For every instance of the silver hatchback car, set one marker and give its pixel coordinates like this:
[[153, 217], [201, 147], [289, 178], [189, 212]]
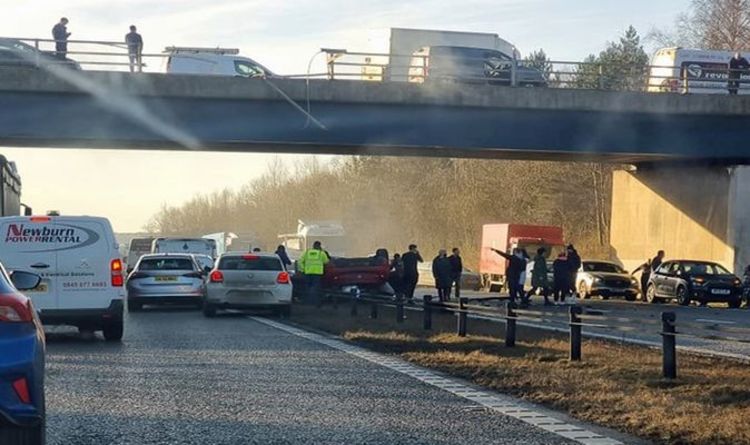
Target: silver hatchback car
[[249, 281], [166, 279]]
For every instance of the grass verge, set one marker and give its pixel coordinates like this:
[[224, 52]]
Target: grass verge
[[616, 385]]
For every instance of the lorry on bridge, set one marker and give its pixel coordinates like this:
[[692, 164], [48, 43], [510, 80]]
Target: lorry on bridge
[[506, 237]]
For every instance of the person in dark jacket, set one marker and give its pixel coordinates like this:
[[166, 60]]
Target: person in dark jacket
[[441, 271], [658, 259], [738, 66], [561, 271], [411, 273], [539, 280], [457, 268], [396, 275], [60, 34], [574, 264], [134, 41], [281, 253], [513, 272], [645, 270]]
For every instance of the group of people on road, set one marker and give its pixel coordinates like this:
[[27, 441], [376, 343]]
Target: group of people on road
[[133, 41], [564, 271], [446, 271]]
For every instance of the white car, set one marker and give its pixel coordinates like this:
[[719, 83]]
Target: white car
[[78, 259], [213, 62], [248, 281]]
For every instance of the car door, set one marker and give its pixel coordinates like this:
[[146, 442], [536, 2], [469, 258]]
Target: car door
[[659, 276], [497, 66], [672, 279]]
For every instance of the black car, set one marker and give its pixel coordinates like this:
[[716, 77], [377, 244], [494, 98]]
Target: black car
[[14, 52], [700, 281]]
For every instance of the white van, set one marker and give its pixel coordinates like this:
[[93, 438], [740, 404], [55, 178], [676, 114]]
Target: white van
[[694, 71], [213, 62], [198, 246], [80, 265]]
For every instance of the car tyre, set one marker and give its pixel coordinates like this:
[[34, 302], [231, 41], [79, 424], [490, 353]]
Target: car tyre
[[735, 303], [651, 295], [17, 435], [683, 299], [583, 291], [209, 310], [113, 331]]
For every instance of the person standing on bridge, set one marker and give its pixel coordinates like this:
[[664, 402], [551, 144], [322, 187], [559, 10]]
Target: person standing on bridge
[[658, 259], [411, 272], [135, 49], [312, 264], [457, 269], [60, 34], [738, 66]]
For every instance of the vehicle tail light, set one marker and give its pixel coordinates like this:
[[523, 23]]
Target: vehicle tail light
[[250, 257], [15, 310], [217, 277], [283, 278], [193, 275], [21, 387], [116, 268]]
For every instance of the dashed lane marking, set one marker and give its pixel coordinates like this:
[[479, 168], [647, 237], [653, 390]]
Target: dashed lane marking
[[493, 401]]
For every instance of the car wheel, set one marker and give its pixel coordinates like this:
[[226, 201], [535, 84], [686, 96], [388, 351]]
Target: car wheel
[[735, 303], [583, 291], [113, 331], [209, 310], [683, 299], [651, 294], [134, 307], [17, 435]]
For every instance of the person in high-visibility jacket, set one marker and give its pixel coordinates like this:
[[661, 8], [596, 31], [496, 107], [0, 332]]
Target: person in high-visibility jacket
[[312, 265]]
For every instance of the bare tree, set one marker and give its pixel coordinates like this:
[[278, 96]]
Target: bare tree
[[710, 24]]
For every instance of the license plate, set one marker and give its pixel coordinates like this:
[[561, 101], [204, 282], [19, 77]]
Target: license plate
[[721, 291], [165, 278], [43, 287]]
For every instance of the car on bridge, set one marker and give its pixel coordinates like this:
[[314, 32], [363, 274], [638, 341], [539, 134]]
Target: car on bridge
[[471, 65], [14, 52], [688, 280], [242, 281], [166, 278], [605, 279], [22, 342]]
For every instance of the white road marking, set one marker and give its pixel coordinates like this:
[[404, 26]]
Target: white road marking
[[497, 402], [709, 320]]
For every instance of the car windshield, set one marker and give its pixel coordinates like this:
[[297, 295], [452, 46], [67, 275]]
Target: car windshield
[[594, 266], [155, 264], [703, 269], [251, 262]]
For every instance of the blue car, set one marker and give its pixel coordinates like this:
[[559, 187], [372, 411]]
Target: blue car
[[22, 348]]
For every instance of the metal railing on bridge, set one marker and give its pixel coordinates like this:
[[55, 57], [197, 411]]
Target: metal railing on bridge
[[341, 64]]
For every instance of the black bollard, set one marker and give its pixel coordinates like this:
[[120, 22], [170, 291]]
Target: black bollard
[[427, 312], [575, 333], [461, 329], [510, 324], [669, 345]]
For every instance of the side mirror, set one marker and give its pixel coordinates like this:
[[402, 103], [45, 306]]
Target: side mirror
[[25, 280]]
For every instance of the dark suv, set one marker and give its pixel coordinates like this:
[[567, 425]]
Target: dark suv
[[701, 281], [470, 65]]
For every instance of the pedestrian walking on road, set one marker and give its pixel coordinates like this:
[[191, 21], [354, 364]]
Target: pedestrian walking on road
[[281, 253], [411, 273], [658, 259], [312, 264], [645, 270], [539, 279], [457, 269], [135, 49], [513, 272], [574, 264], [60, 34], [561, 273], [441, 271], [396, 276]]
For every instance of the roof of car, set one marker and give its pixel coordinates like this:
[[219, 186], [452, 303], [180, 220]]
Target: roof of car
[[167, 255]]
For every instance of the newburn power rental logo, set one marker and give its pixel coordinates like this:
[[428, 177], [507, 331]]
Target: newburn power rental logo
[[49, 238]]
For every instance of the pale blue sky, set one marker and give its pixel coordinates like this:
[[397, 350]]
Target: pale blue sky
[[282, 34]]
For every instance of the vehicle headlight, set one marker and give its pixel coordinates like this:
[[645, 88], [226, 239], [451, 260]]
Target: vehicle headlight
[[737, 282], [597, 280], [633, 281]]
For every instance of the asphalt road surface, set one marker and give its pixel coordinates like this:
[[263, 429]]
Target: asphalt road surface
[[641, 322], [179, 378]]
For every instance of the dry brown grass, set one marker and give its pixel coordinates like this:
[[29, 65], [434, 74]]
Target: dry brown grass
[[616, 385]]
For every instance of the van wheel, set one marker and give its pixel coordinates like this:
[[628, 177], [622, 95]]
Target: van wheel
[[22, 435], [209, 311], [113, 331]]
